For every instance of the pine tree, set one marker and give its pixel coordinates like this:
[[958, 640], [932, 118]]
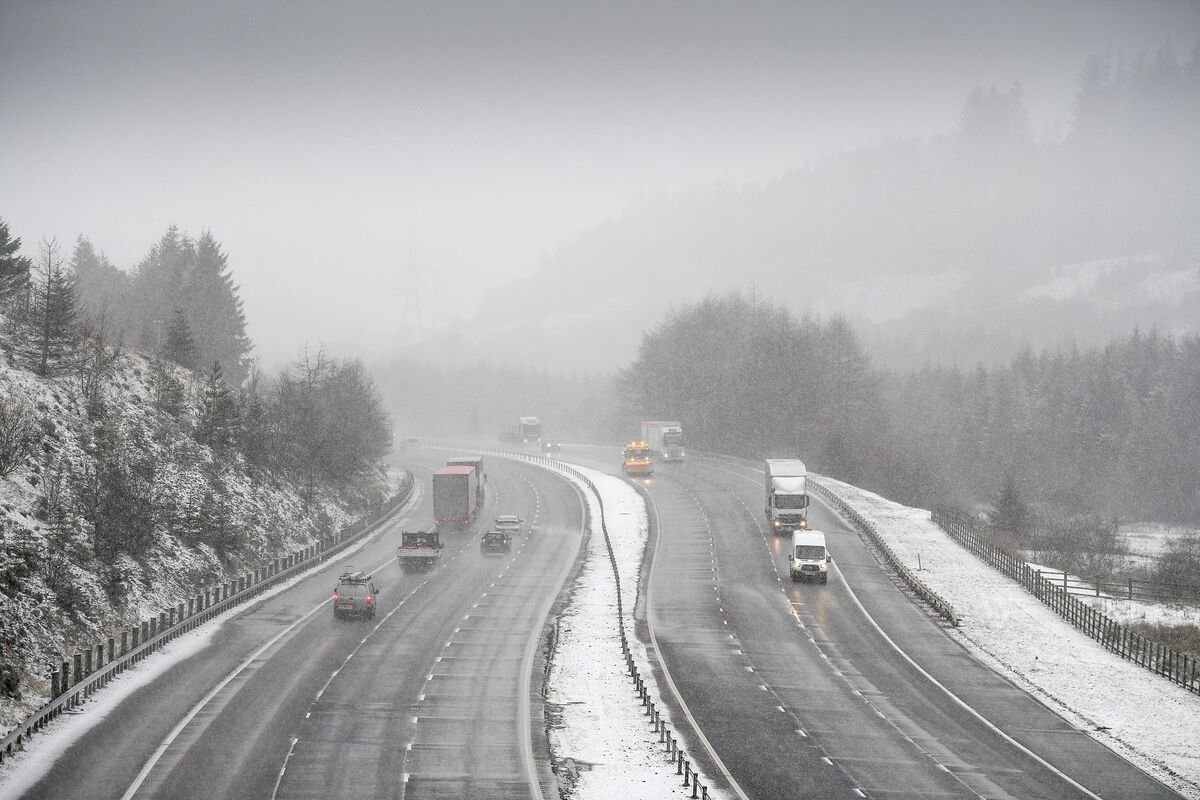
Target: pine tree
[[157, 287], [14, 268], [180, 346], [50, 322], [104, 290], [169, 392], [215, 313], [217, 426], [1012, 514]]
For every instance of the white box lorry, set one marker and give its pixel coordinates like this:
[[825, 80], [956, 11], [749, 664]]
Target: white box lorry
[[787, 494]]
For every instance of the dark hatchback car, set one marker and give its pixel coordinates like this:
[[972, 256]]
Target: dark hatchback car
[[355, 596], [495, 543]]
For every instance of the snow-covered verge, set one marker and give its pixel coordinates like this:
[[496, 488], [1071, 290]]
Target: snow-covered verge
[[1148, 720], [602, 742], [57, 594]]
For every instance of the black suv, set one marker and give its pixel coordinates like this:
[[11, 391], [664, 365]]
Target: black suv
[[355, 596]]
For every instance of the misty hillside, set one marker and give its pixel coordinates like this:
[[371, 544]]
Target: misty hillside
[[128, 481], [1008, 240]]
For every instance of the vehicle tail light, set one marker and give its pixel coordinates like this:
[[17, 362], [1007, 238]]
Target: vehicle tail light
[[368, 598], [336, 597]]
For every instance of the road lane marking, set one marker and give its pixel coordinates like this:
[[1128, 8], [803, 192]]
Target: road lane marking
[[196, 709]]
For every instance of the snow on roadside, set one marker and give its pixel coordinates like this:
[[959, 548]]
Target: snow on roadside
[[22, 770], [1148, 720], [603, 743]]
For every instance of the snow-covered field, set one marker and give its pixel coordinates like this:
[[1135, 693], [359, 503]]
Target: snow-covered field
[[1148, 720]]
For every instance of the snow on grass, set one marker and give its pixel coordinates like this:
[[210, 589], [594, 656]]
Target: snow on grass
[[1148, 720], [603, 743]]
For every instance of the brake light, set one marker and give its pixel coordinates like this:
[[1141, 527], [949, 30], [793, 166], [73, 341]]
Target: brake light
[[336, 597], [368, 598]]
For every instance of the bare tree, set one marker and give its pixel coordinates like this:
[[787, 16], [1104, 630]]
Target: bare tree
[[19, 432]]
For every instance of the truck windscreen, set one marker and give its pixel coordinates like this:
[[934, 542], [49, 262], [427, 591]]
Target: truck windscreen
[[791, 501]]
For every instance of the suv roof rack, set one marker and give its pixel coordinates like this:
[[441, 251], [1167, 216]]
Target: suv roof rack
[[354, 576]]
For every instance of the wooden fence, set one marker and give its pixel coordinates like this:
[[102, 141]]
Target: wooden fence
[[1177, 667]]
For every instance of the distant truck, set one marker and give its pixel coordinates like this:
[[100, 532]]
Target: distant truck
[[636, 459], [665, 439], [457, 495], [809, 558], [529, 429], [787, 494], [419, 550]]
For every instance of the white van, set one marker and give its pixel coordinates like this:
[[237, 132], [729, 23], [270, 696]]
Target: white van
[[810, 559]]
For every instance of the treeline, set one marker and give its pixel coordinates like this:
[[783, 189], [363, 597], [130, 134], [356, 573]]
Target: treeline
[[319, 425], [1107, 433], [1112, 432], [746, 378], [179, 301]]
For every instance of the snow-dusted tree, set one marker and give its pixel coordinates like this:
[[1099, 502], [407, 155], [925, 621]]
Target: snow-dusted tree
[[19, 432], [114, 490], [14, 268], [215, 313], [97, 361], [169, 394], [50, 323], [157, 287], [180, 347], [255, 424], [104, 290], [1012, 513], [218, 420]]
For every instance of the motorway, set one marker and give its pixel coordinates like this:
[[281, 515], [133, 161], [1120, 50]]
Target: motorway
[[849, 689], [436, 697]]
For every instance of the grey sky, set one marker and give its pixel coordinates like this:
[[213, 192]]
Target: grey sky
[[332, 146]]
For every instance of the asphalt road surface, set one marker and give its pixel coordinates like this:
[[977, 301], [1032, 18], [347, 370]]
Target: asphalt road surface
[[430, 699], [839, 690]]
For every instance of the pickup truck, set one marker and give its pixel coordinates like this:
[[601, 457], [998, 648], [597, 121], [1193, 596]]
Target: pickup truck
[[418, 550], [495, 542]]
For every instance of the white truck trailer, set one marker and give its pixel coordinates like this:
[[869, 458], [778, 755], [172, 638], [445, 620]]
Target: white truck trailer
[[787, 494]]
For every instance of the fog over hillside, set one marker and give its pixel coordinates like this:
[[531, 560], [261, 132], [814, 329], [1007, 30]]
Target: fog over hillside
[[394, 174], [1010, 240]]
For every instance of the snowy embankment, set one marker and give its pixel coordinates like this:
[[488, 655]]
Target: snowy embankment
[[602, 741], [1148, 720]]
